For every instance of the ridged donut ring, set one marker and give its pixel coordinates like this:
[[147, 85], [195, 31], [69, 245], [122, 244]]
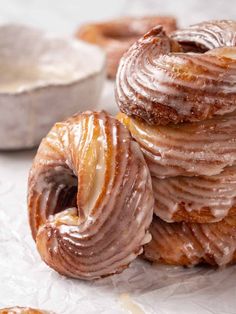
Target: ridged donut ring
[[90, 198], [205, 36], [190, 244], [202, 199], [203, 148], [160, 84], [116, 36]]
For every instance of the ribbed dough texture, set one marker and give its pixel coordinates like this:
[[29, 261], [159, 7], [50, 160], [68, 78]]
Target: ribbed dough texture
[[190, 244], [198, 199], [193, 167], [90, 198], [160, 84], [207, 35], [187, 149]]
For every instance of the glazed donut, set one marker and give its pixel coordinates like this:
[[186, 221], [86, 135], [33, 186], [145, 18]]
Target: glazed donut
[[188, 149], [90, 198], [160, 84], [22, 310], [205, 36], [190, 244], [116, 36], [202, 199]]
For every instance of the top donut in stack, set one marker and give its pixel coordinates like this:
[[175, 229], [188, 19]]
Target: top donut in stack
[[177, 96]]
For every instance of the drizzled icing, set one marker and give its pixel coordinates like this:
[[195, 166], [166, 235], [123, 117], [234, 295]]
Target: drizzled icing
[[90, 198], [160, 84], [192, 243], [187, 149], [209, 198]]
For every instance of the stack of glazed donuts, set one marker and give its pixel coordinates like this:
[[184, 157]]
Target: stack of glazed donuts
[[94, 186], [177, 95]]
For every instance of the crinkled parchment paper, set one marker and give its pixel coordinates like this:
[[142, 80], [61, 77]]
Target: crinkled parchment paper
[[26, 281]]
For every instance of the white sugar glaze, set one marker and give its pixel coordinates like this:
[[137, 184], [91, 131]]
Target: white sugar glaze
[[188, 149], [216, 193], [159, 83]]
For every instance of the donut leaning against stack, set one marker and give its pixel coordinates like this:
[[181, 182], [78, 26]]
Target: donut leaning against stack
[[177, 95], [90, 197]]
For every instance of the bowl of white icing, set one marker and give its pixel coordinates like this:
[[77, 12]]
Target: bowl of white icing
[[43, 79]]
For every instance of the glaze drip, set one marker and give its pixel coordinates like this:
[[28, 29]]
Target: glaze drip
[[187, 149], [199, 199]]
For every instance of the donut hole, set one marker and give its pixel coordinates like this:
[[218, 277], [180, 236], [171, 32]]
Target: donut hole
[[189, 46], [62, 184], [66, 199]]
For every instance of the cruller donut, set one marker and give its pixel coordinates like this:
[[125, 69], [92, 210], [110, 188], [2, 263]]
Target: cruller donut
[[116, 36], [187, 149], [189, 244], [90, 198], [160, 84], [201, 199]]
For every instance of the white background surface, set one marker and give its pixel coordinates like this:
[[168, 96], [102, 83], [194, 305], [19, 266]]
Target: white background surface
[[63, 16], [24, 279]]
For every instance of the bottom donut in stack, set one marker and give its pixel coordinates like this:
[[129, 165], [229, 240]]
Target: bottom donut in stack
[[187, 244], [177, 95]]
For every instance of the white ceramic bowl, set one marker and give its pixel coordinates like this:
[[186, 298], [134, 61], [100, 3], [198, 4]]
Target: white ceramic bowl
[[43, 79]]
